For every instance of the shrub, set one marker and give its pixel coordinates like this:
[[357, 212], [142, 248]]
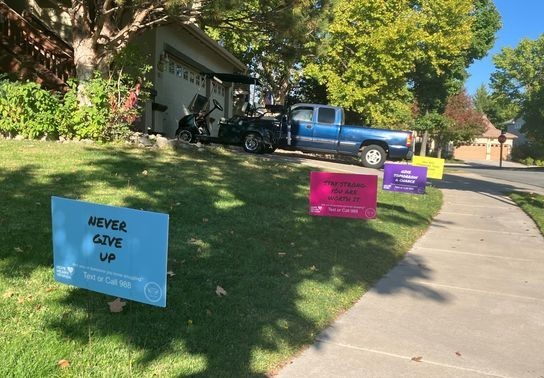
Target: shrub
[[27, 109], [529, 161]]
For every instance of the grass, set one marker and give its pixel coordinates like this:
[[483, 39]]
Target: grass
[[533, 205], [236, 220]]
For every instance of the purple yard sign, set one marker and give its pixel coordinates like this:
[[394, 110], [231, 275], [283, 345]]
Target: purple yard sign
[[404, 178], [343, 195]]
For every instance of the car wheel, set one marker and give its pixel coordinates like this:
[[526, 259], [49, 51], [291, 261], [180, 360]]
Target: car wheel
[[185, 136], [253, 143], [373, 156]]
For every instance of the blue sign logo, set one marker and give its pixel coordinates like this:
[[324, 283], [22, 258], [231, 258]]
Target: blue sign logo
[[112, 250]]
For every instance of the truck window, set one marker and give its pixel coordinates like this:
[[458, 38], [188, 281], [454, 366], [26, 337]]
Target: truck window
[[326, 115], [302, 114]]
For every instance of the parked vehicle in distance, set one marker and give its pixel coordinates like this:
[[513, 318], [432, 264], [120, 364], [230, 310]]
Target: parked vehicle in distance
[[304, 127]]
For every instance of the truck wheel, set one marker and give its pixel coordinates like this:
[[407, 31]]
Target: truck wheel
[[373, 156], [253, 143], [185, 136]]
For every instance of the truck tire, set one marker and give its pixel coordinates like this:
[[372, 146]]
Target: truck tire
[[253, 143], [373, 156]]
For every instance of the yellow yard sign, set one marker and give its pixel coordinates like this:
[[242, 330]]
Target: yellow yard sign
[[435, 167]]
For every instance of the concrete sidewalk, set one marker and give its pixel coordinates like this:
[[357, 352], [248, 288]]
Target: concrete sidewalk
[[467, 300]]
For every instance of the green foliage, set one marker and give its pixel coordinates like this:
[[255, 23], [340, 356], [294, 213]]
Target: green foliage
[[456, 33], [271, 37], [519, 82], [108, 109], [493, 107], [27, 110], [377, 57], [432, 122], [533, 205], [528, 150], [366, 56]]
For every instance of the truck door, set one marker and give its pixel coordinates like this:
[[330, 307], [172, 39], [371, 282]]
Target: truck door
[[326, 130], [302, 126]]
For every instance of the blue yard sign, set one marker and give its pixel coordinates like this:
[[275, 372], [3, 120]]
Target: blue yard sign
[[111, 250]]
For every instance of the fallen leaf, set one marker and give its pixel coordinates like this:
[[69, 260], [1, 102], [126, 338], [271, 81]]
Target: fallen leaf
[[220, 291], [205, 220], [458, 354], [170, 273], [8, 294], [38, 307], [38, 203], [63, 364], [285, 274], [292, 244], [209, 312], [20, 300], [18, 249], [117, 305], [417, 359], [144, 172], [189, 322], [281, 254], [313, 268], [49, 289]]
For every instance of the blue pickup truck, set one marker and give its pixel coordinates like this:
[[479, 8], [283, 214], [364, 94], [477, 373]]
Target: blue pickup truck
[[321, 128]]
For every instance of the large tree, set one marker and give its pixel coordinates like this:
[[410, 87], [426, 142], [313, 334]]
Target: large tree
[[519, 82], [378, 56], [271, 36], [435, 80], [102, 27], [365, 56], [494, 107]]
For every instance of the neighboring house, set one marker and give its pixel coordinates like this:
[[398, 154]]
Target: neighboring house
[[486, 146], [35, 45], [515, 128]]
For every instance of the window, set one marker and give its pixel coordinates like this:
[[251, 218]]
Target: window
[[171, 66], [197, 80], [326, 115], [179, 70], [203, 81], [302, 114], [192, 77], [186, 74]]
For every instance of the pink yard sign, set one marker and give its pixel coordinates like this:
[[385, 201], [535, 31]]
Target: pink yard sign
[[343, 195]]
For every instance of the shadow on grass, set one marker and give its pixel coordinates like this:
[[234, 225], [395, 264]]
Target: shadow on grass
[[227, 228]]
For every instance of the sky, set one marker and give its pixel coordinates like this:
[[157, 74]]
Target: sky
[[520, 19]]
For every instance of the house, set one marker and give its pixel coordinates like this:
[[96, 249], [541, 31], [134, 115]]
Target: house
[[187, 63], [35, 45], [486, 146], [514, 127]]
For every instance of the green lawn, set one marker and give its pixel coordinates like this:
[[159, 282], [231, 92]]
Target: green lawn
[[236, 220], [533, 205]]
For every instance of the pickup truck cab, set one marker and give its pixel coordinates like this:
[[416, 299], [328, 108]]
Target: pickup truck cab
[[321, 128]]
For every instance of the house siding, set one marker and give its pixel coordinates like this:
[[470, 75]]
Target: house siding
[[181, 77]]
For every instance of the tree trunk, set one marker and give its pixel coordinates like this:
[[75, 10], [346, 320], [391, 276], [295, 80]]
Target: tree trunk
[[423, 150]]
